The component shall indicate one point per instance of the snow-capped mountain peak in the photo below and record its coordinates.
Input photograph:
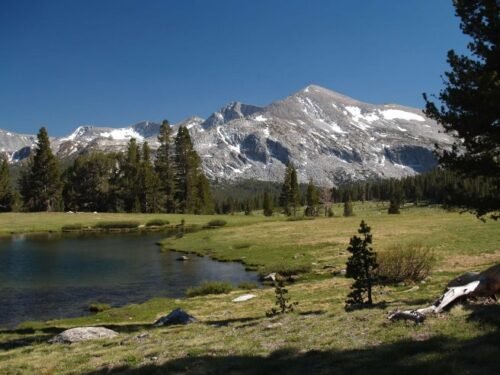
(328, 136)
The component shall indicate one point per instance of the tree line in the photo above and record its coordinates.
(115, 182)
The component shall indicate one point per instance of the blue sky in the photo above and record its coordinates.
(117, 62)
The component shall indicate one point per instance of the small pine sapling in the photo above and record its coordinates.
(361, 266)
(282, 299)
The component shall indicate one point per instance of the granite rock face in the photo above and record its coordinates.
(329, 137)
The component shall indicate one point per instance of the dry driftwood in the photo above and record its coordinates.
(483, 284)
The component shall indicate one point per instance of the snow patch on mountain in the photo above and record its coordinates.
(396, 114)
(122, 134)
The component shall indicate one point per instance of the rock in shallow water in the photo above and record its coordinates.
(83, 334)
(177, 316)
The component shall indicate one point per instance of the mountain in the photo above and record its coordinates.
(329, 137)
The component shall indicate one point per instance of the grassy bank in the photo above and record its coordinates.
(319, 337)
(34, 222)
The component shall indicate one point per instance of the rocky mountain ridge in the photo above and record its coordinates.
(329, 137)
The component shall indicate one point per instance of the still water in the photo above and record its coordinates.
(54, 276)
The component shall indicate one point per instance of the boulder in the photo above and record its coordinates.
(177, 316)
(83, 334)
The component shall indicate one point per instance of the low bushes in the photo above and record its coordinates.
(209, 287)
(71, 227)
(98, 307)
(157, 223)
(216, 223)
(411, 263)
(106, 225)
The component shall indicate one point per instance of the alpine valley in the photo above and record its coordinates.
(329, 137)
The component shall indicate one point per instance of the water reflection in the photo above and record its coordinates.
(55, 276)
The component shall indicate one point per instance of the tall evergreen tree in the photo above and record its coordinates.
(361, 266)
(348, 211)
(470, 109)
(205, 204)
(149, 184)
(40, 183)
(164, 166)
(87, 182)
(286, 190)
(312, 199)
(290, 192)
(294, 190)
(267, 204)
(6, 195)
(192, 190)
(130, 187)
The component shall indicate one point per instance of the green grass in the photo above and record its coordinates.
(157, 223)
(34, 222)
(209, 287)
(319, 336)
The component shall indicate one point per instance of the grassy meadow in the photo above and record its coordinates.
(319, 337)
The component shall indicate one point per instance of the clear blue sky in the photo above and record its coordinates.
(117, 62)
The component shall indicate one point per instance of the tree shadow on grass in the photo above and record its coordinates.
(436, 355)
(484, 314)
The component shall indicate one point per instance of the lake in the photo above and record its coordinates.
(56, 276)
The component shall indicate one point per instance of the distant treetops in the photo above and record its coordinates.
(128, 181)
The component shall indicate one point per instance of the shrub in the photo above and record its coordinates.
(98, 307)
(71, 227)
(282, 300)
(393, 207)
(157, 223)
(412, 263)
(117, 225)
(247, 285)
(285, 269)
(209, 287)
(217, 223)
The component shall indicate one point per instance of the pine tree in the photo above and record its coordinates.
(130, 186)
(294, 191)
(286, 190)
(267, 205)
(312, 199)
(394, 206)
(40, 182)
(192, 190)
(361, 266)
(87, 182)
(348, 211)
(164, 166)
(149, 183)
(205, 203)
(470, 109)
(395, 202)
(290, 193)
(6, 195)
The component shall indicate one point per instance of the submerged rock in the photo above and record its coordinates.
(177, 316)
(83, 334)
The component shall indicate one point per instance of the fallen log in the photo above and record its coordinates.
(483, 284)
